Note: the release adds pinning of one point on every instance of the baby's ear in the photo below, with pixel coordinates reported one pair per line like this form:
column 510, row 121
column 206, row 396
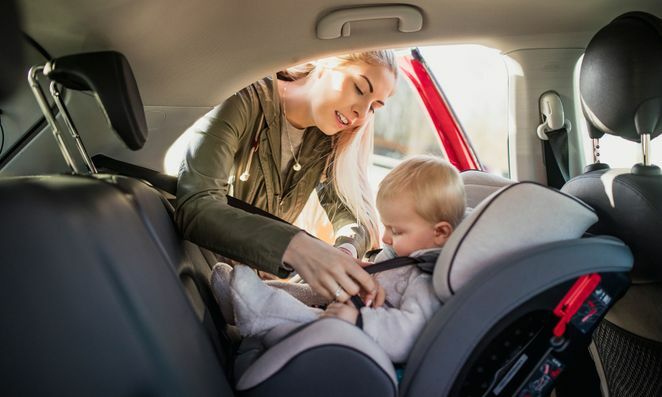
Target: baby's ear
column 442, row 231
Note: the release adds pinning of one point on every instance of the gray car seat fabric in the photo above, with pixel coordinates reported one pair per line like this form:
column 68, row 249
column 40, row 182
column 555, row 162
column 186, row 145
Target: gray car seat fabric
column 514, row 257
column 346, row 339
column 513, row 218
column 449, row 339
column 621, row 90
column 478, row 185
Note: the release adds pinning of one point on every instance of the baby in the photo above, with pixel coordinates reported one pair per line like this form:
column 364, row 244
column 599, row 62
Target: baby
column 420, row 202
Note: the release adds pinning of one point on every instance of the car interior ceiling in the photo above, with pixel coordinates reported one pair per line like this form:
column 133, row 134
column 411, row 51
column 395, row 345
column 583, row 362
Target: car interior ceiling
column 101, row 295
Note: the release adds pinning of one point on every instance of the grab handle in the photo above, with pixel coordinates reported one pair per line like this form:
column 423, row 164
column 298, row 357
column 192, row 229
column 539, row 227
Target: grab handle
column 337, row 23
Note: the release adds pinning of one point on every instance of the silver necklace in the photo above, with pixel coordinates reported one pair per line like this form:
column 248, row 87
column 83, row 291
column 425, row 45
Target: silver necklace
column 297, row 166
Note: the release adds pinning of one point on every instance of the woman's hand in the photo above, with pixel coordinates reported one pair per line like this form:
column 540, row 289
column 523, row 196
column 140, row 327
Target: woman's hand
column 329, row 271
column 375, row 298
column 344, row 311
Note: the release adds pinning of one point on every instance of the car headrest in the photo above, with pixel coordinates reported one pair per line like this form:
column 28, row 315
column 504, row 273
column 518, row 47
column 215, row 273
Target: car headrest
column 620, row 81
column 516, row 217
column 109, row 74
column 11, row 51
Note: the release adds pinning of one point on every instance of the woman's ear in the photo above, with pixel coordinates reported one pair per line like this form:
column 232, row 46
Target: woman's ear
column 442, row 231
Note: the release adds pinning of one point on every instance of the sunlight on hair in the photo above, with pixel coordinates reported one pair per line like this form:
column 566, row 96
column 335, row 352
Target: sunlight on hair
column 336, row 80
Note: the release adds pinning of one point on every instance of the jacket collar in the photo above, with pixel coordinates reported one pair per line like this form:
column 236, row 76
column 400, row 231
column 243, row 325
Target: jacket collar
column 270, row 104
column 269, row 101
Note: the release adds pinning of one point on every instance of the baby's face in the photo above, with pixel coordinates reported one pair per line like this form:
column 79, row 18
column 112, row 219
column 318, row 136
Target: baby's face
column 404, row 229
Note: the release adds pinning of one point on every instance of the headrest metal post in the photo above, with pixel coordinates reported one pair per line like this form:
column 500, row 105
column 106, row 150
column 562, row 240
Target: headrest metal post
column 50, row 118
column 596, row 150
column 645, row 148
column 57, row 97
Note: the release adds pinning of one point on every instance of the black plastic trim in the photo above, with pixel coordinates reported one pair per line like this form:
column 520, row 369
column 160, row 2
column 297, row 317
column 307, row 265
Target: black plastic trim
column 41, row 123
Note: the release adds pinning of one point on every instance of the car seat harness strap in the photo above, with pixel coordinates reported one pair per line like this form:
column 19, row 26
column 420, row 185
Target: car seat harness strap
column 389, row 264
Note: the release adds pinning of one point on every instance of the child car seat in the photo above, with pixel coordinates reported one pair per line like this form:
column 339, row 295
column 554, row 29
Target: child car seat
column 480, row 184
column 521, row 292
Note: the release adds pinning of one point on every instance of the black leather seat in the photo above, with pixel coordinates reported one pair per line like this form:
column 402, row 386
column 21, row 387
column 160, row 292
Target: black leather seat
column 99, row 294
column 621, row 91
column 89, row 305
column 109, row 75
column 11, row 52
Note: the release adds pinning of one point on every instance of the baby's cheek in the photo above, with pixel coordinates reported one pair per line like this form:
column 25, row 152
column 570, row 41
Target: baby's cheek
column 400, row 247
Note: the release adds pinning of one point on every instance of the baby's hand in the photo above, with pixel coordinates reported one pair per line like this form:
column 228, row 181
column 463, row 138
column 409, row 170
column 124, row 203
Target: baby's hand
column 344, row 311
column 373, row 299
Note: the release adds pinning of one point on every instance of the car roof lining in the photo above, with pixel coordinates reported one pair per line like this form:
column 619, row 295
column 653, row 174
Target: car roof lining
column 194, row 53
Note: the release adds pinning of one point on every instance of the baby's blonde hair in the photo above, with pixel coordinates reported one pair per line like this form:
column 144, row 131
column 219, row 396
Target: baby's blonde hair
column 433, row 183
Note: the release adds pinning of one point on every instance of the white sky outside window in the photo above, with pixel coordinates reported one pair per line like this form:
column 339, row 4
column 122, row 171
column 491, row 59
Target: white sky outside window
column 475, row 81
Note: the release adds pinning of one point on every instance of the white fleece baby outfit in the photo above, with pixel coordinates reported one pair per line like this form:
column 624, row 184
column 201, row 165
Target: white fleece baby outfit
column 258, row 307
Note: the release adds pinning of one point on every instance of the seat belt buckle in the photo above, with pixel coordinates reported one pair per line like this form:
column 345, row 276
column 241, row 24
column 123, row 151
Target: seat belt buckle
column 575, row 299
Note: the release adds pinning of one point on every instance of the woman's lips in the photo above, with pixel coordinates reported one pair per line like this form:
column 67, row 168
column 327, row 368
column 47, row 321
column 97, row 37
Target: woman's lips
column 342, row 121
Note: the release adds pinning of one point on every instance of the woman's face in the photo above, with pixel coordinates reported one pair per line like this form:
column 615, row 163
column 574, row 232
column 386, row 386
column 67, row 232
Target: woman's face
column 344, row 96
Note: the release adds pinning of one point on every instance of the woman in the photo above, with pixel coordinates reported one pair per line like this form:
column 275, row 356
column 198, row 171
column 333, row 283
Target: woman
column 271, row 145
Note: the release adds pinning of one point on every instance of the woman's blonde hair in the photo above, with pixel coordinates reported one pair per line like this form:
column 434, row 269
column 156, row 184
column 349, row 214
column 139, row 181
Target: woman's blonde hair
column 351, row 153
column 434, row 185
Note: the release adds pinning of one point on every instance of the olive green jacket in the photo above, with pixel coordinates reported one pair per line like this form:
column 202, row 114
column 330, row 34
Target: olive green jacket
column 218, row 154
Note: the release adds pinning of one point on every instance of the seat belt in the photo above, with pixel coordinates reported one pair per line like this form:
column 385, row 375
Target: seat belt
column 553, row 131
column 166, row 183
column 558, row 141
column 393, row 263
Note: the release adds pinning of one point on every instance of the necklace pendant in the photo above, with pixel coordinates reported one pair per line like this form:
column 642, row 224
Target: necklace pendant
column 296, row 166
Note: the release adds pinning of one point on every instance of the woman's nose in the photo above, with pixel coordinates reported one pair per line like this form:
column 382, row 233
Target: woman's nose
column 360, row 111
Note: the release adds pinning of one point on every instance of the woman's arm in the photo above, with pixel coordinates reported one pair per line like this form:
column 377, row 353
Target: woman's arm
column 202, row 213
column 204, row 217
column 345, row 225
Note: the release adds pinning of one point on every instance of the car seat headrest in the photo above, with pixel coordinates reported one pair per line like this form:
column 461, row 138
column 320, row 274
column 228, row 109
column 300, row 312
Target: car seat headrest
column 516, row 217
column 109, row 74
column 620, row 81
column 478, row 185
column 11, row 51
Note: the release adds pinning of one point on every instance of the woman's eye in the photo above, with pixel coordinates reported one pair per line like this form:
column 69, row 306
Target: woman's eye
column 358, row 90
